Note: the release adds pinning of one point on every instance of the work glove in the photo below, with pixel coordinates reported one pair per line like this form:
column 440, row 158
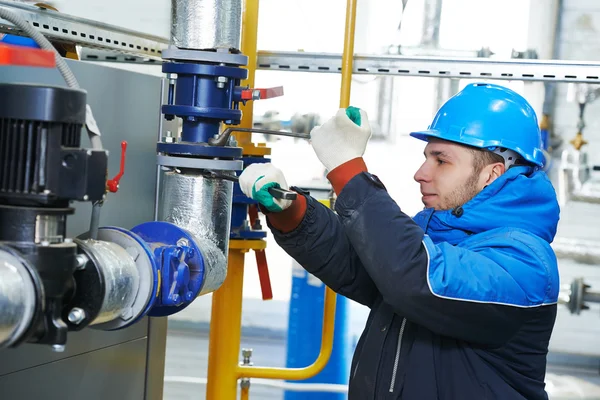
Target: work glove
column 255, row 182
column 342, row 138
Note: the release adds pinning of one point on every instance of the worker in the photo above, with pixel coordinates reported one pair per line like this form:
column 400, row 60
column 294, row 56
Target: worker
column 463, row 295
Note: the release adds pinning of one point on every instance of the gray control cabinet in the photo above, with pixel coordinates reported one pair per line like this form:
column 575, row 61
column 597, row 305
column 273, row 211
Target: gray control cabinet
column 97, row 365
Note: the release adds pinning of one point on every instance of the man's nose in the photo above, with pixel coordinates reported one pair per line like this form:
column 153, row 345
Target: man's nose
column 422, row 174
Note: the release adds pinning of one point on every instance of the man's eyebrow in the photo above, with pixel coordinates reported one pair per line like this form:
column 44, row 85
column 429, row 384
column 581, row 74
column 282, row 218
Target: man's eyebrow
column 436, row 153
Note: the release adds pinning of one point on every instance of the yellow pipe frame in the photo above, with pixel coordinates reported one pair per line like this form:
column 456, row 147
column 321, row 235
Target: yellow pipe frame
column 348, row 54
column 225, row 328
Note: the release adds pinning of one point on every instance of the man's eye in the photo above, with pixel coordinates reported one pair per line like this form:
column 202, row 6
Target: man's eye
column 440, row 162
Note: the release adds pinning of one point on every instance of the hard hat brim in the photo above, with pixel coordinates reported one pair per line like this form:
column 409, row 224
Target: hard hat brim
column 539, row 159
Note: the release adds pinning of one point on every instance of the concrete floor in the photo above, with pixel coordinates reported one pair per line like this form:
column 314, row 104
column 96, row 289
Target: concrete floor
column 187, row 358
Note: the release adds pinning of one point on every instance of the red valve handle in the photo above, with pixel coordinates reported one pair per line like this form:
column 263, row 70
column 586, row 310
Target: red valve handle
column 113, row 184
column 261, row 94
column 261, row 261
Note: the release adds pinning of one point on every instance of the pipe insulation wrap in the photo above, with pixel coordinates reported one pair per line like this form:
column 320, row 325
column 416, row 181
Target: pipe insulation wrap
column 121, row 279
column 203, row 207
column 17, row 299
column 206, row 24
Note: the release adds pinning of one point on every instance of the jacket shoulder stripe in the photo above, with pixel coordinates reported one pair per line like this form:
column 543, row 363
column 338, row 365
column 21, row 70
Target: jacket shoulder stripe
column 474, row 278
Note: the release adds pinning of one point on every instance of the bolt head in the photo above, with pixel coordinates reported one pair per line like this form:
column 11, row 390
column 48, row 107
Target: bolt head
column 246, row 353
column 183, row 242
column 76, row 315
column 81, row 260
column 222, row 79
column 58, row 348
column 86, row 197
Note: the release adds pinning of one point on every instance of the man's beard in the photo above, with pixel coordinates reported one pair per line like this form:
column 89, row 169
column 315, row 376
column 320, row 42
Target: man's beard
column 462, row 194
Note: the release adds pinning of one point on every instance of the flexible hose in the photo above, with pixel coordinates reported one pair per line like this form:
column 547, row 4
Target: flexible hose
column 61, row 64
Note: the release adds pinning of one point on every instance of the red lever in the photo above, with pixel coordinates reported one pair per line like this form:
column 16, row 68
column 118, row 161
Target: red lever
column 261, row 94
column 261, row 260
column 113, row 184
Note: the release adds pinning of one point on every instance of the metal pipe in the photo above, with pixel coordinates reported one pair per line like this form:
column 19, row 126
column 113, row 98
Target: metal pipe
column 225, row 331
column 250, row 50
column 574, row 183
column 206, row 24
column 314, row 368
column 592, row 297
column 272, row 383
column 348, row 54
column 226, row 321
column 203, row 207
column 17, row 298
column 120, row 276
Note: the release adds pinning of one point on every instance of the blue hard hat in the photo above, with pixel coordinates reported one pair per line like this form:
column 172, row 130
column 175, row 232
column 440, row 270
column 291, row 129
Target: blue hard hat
column 489, row 116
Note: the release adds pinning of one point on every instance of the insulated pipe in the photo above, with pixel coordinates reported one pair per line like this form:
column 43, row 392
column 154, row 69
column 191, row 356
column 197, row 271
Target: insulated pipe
column 18, row 298
column 206, row 24
column 203, row 207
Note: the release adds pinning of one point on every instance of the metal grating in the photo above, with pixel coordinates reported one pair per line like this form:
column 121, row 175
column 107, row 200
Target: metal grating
column 462, row 68
column 84, row 32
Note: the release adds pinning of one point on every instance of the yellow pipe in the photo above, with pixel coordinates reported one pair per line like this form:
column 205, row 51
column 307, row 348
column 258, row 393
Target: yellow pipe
column 348, row 54
column 311, row 370
column 249, row 49
column 225, row 331
column 245, row 393
column 330, row 296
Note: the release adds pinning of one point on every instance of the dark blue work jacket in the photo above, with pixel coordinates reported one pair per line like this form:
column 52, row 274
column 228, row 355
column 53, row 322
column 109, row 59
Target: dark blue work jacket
column 462, row 302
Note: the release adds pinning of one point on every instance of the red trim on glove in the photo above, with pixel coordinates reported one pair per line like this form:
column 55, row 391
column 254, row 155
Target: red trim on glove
column 341, row 175
column 289, row 219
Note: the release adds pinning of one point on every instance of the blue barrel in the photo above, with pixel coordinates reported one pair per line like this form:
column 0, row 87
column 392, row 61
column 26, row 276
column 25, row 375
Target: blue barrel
column 305, row 333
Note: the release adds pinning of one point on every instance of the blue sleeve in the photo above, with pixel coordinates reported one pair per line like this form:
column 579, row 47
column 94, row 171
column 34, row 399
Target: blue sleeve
column 481, row 295
column 320, row 245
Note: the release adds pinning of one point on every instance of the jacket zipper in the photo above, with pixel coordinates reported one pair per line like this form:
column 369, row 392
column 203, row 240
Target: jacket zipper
column 355, row 369
column 397, row 359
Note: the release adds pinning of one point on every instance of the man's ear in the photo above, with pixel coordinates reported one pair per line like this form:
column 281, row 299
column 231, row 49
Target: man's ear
column 491, row 173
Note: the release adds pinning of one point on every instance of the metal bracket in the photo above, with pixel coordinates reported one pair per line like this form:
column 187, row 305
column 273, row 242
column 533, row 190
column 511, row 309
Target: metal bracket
column 200, row 163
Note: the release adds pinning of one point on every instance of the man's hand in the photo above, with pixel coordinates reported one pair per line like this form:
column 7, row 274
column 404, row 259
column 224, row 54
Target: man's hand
column 342, row 138
column 255, row 182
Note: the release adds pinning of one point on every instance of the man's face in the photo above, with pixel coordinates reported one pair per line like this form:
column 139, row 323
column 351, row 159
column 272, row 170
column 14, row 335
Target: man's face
column 447, row 177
